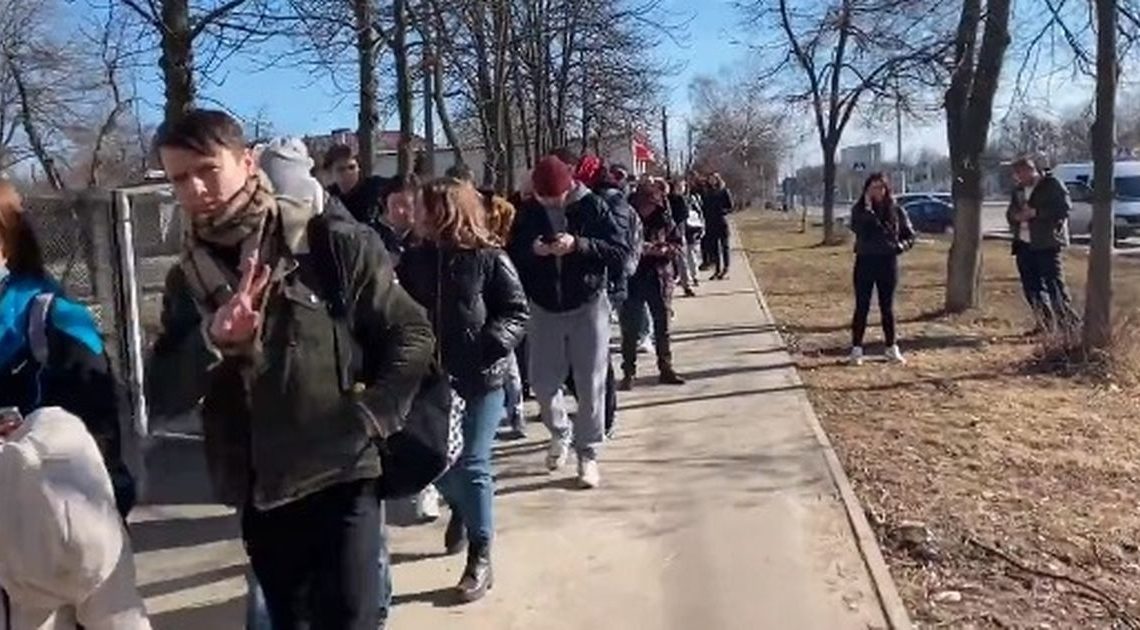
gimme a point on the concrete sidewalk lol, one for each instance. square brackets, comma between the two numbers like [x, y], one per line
[721, 508]
[717, 511]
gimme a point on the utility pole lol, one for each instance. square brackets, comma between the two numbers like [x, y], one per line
[898, 143]
[689, 165]
[665, 140]
[429, 111]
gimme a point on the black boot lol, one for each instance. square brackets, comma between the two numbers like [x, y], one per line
[626, 383]
[478, 578]
[669, 377]
[455, 538]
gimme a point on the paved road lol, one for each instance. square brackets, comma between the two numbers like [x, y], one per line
[718, 511]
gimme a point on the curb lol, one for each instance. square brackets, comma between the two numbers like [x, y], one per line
[890, 602]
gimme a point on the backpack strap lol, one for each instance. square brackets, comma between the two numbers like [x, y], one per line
[38, 316]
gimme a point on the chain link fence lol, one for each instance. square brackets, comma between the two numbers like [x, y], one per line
[111, 250]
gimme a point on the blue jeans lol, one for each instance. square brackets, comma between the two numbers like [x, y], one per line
[257, 613]
[469, 485]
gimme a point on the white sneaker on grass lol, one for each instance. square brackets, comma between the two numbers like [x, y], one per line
[588, 475]
[856, 358]
[557, 454]
[894, 355]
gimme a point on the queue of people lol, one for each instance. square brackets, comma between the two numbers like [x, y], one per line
[305, 324]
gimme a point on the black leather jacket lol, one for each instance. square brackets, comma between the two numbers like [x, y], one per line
[477, 307]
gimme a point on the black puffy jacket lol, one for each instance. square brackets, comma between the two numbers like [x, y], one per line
[560, 284]
[881, 231]
[477, 306]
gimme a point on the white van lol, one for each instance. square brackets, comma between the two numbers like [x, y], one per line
[1126, 197]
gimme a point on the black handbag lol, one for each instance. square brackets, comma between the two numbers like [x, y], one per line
[429, 439]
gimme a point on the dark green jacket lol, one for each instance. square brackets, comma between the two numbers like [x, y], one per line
[1050, 228]
[301, 426]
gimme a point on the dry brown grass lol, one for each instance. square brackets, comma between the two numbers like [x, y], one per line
[975, 438]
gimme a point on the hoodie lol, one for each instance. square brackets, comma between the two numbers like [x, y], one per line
[564, 283]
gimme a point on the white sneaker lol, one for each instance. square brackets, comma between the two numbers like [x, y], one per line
[894, 355]
[557, 454]
[428, 504]
[856, 358]
[588, 475]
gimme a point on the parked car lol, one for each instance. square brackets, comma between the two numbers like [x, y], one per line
[930, 215]
[1125, 197]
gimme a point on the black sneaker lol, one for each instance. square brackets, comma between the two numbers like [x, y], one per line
[669, 377]
[626, 383]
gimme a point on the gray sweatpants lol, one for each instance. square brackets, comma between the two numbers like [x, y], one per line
[576, 342]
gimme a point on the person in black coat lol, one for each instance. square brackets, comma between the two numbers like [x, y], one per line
[717, 204]
[651, 286]
[474, 298]
[882, 233]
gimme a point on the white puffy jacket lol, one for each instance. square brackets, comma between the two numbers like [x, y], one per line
[62, 542]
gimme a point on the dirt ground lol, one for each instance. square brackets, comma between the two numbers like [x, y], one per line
[1005, 493]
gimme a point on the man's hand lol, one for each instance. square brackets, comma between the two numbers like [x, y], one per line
[238, 321]
[563, 244]
[541, 248]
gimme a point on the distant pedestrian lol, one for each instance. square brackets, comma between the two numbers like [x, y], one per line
[1038, 217]
[717, 205]
[681, 208]
[359, 192]
[882, 233]
[651, 286]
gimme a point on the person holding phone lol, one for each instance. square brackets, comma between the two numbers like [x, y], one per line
[882, 233]
[564, 242]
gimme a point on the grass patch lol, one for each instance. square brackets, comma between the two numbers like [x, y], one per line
[980, 443]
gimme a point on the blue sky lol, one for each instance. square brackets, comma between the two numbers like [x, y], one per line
[298, 102]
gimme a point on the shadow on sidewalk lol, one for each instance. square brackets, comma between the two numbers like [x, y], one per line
[695, 375]
[697, 334]
[439, 598]
[647, 404]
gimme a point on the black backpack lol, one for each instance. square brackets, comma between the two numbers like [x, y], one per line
[429, 439]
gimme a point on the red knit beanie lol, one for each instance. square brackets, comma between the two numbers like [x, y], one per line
[551, 177]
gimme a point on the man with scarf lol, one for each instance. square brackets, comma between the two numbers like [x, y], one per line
[289, 393]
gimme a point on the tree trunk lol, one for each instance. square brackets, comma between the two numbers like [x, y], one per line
[964, 263]
[1098, 294]
[830, 170]
[444, 116]
[368, 115]
[405, 153]
[969, 112]
[177, 60]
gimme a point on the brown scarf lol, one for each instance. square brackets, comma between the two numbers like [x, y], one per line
[242, 217]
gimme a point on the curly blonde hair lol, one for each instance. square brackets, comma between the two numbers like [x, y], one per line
[454, 215]
[500, 218]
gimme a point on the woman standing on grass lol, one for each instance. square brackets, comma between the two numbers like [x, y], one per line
[459, 273]
[882, 232]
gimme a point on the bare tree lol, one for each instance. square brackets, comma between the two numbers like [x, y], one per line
[196, 36]
[1098, 290]
[969, 110]
[405, 151]
[737, 134]
[834, 55]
